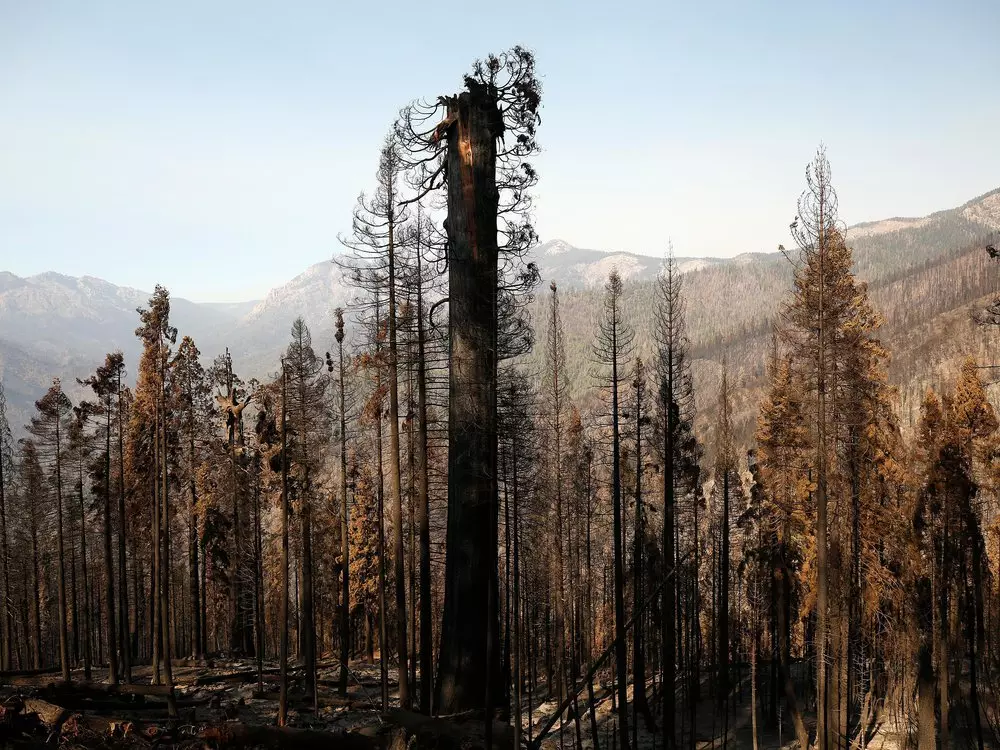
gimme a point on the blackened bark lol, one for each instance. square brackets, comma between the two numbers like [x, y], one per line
[470, 566]
[345, 603]
[423, 507]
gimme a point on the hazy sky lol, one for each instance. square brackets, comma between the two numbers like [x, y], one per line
[218, 147]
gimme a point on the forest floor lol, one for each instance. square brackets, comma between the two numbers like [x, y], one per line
[222, 704]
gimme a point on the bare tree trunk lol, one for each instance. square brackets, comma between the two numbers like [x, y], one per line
[466, 662]
[784, 649]
[86, 618]
[941, 636]
[124, 629]
[165, 561]
[423, 505]
[383, 624]
[157, 546]
[63, 605]
[925, 616]
[345, 601]
[193, 593]
[668, 634]
[395, 488]
[36, 640]
[619, 565]
[283, 609]
[109, 590]
[723, 614]
[516, 646]
[640, 703]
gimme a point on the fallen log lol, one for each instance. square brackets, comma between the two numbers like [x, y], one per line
[246, 675]
[106, 688]
[232, 735]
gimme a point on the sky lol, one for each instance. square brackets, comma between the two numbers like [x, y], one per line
[218, 148]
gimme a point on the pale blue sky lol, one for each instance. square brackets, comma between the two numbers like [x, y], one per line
[218, 147]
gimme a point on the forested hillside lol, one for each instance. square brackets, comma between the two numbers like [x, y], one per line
[927, 279]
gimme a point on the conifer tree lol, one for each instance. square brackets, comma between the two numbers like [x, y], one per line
[556, 397]
[615, 343]
[190, 396]
[306, 395]
[157, 335]
[33, 492]
[680, 455]
[103, 383]
[49, 430]
[80, 449]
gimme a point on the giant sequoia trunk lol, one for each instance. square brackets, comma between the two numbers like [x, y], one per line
[469, 658]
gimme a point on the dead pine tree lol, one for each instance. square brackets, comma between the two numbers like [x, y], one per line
[681, 455]
[375, 266]
[283, 607]
[345, 602]
[615, 343]
[306, 394]
[640, 702]
[556, 397]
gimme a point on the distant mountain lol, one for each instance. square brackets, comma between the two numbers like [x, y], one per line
[577, 268]
[922, 271]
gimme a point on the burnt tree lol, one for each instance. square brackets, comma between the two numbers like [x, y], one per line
[478, 152]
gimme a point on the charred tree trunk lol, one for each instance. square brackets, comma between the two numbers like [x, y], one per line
[383, 625]
[124, 628]
[667, 620]
[423, 506]
[723, 615]
[109, 590]
[85, 569]
[395, 485]
[640, 703]
[193, 587]
[63, 605]
[283, 609]
[619, 563]
[345, 601]
[466, 661]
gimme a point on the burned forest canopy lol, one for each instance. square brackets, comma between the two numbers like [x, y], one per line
[486, 511]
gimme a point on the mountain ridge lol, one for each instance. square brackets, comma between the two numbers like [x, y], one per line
[52, 324]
